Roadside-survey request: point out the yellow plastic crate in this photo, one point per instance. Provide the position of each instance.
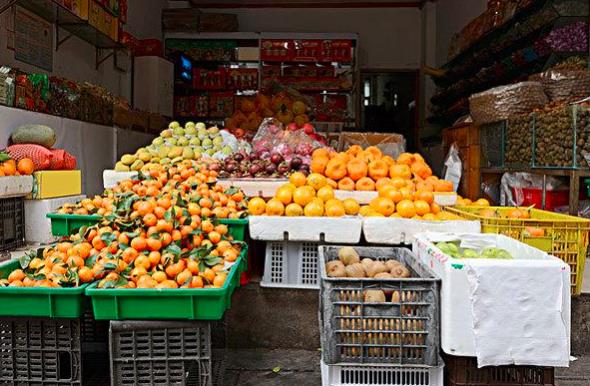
(566, 237)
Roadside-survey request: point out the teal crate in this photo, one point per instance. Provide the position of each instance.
(39, 301)
(158, 304)
(67, 224)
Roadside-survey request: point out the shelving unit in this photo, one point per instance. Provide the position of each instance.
(510, 52)
(53, 12)
(256, 41)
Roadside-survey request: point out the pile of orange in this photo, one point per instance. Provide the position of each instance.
(160, 231)
(24, 167)
(369, 170)
(310, 196)
(190, 182)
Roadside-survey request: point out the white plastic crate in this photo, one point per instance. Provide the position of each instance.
(291, 264)
(373, 375)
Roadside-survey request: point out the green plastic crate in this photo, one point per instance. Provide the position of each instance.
(67, 224)
(236, 227)
(39, 301)
(150, 304)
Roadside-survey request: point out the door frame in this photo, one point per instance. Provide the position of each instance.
(416, 72)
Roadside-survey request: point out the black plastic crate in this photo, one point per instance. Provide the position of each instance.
(12, 223)
(40, 351)
(463, 371)
(405, 330)
(160, 353)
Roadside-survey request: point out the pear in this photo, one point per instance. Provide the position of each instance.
(128, 159)
(194, 141)
(188, 153)
(174, 125)
(200, 126)
(144, 156)
(182, 141)
(176, 151)
(158, 141)
(137, 165)
(121, 167)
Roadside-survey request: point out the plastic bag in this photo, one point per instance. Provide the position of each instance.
(453, 166)
(40, 155)
(272, 138)
(511, 193)
(499, 103)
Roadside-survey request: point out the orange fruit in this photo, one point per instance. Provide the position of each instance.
(400, 171)
(284, 195)
(391, 193)
(9, 168)
(197, 282)
(335, 210)
(219, 280)
(274, 207)
(298, 179)
(435, 208)
(184, 278)
(139, 244)
(17, 274)
(25, 166)
(422, 207)
(293, 210)
(313, 209)
(424, 196)
(406, 209)
(325, 193)
(159, 276)
(193, 267)
(482, 202)
(303, 195)
(256, 206)
(316, 181)
(351, 206)
(382, 205)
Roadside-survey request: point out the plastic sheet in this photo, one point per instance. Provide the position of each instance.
(499, 103)
(453, 166)
(7, 86)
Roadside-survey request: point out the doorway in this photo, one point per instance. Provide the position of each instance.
(389, 102)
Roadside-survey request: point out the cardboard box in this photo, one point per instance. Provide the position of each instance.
(103, 21)
(390, 144)
(77, 7)
(56, 183)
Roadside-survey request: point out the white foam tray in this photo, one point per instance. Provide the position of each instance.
(253, 187)
(445, 199)
(457, 333)
(391, 231)
(37, 225)
(328, 229)
(111, 178)
(14, 186)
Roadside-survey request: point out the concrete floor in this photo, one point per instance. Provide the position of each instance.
(266, 367)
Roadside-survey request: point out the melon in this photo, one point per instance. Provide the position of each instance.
(34, 134)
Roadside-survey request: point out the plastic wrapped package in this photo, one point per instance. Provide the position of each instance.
(64, 98)
(96, 104)
(564, 84)
(31, 92)
(499, 103)
(272, 138)
(7, 86)
(519, 141)
(389, 144)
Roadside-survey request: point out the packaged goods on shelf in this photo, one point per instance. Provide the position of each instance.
(96, 104)
(31, 92)
(64, 98)
(479, 292)
(564, 84)
(356, 311)
(501, 102)
(7, 86)
(56, 183)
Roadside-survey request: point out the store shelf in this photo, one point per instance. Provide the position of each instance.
(53, 12)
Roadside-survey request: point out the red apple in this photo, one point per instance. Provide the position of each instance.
(308, 128)
(292, 126)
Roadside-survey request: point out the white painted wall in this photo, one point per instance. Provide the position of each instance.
(390, 38)
(452, 16)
